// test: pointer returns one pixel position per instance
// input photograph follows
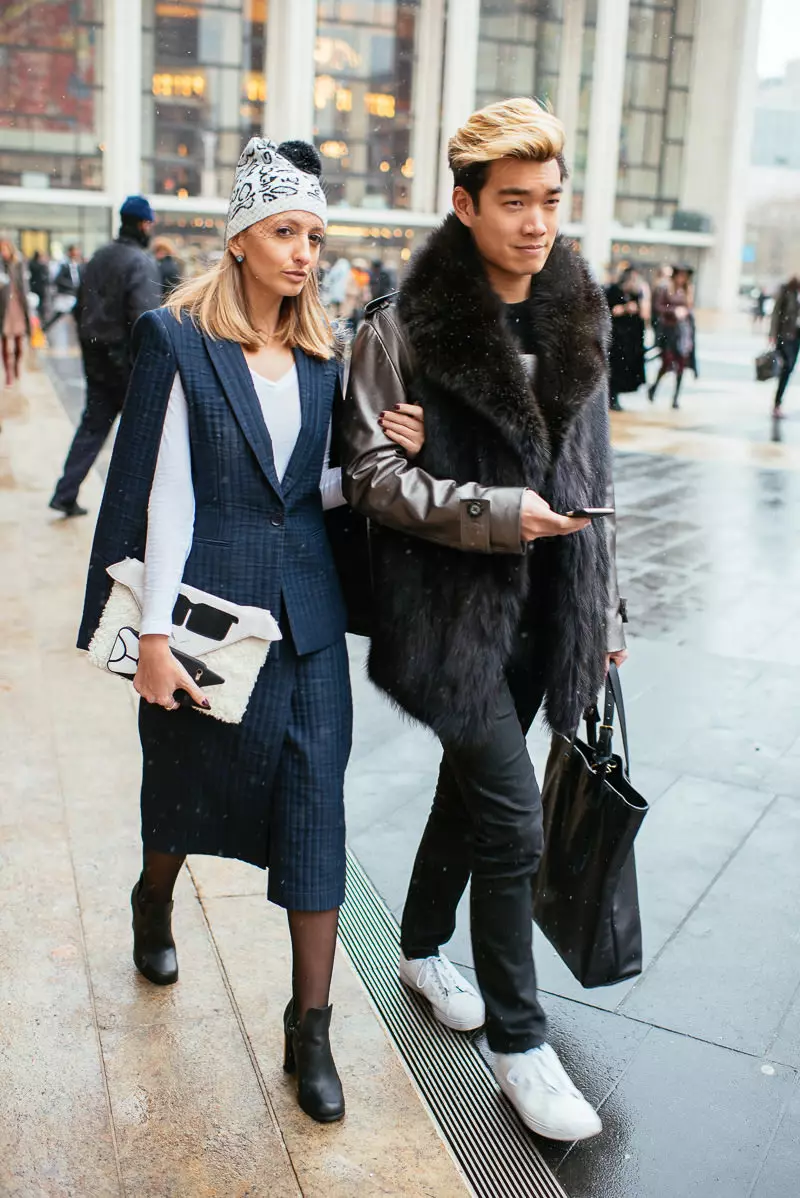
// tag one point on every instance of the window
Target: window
(203, 92)
(655, 110)
(51, 97)
(365, 56)
(518, 50)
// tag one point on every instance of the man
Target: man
(119, 283)
(488, 599)
(785, 336)
(169, 268)
(66, 285)
(380, 280)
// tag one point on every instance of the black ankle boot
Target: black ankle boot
(153, 946)
(308, 1053)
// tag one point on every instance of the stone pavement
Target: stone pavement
(111, 1086)
(695, 1066)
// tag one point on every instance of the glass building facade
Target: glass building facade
(363, 100)
(655, 111)
(204, 89)
(51, 94)
(519, 50)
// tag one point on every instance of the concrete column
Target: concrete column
(605, 117)
(427, 94)
(569, 86)
(719, 137)
(460, 80)
(291, 40)
(123, 84)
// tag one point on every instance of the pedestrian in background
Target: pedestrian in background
(218, 479)
(39, 273)
(785, 335)
(66, 285)
(119, 283)
(381, 281)
(629, 311)
(673, 302)
(170, 271)
(15, 320)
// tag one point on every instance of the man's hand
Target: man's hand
(537, 519)
(619, 658)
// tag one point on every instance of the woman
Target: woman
(629, 311)
(15, 321)
(218, 479)
(673, 302)
(785, 335)
(169, 268)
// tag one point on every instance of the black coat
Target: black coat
(446, 622)
(627, 344)
(119, 283)
(170, 274)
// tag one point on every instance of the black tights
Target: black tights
(313, 932)
(678, 382)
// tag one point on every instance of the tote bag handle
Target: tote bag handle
(613, 699)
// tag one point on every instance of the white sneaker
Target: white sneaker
(455, 1002)
(545, 1099)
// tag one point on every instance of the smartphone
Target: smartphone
(201, 674)
(590, 513)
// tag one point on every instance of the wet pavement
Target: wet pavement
(696, 1065)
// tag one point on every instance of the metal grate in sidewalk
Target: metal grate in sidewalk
(497, 1155)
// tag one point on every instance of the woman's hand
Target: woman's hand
(160, 674)
(405, 425)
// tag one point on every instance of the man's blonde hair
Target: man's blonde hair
(518, 128)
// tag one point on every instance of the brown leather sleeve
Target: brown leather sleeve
(380, 482)
(616, 615)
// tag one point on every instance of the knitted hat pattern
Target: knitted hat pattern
(271, 179)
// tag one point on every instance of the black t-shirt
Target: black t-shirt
(520, 324)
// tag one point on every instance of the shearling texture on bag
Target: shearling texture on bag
(446, 622)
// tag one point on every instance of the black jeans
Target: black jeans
(486, 821)
(107, 369)
(787, 349)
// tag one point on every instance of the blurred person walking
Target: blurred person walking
(673, 302)
(170, 271)
(15, 320)
(785, 335)
(218, 480)
(39, 272)
(66, 285)
(119, 283)
(381, 281)
(489, 601)
(629, 312)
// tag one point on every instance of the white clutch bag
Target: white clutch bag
(231, 641)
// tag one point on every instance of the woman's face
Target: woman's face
(280, 252)
(5, 251)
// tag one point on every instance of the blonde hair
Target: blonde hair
(518, 128)
(217, 304)
(14, 255)
(165, 244)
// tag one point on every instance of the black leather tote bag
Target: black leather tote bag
(585, 894)
(768, 366)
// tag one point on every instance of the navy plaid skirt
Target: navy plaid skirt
(269, 790)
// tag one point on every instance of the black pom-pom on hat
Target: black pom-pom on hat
(302, 155)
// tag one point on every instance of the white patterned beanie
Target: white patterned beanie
(272, 179)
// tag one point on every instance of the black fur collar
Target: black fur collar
(454, 323)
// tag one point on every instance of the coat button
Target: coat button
(475, 510)
(277, 521)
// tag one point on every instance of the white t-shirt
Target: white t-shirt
(171, 508)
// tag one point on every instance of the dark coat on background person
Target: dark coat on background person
(40, 278)
(627, 344)
(170, 274)
(786, 314)
(257, 541)
(65, 282)
(119, 283)
(447, 619)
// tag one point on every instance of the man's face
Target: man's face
(517, 218)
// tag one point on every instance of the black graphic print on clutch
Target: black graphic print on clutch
(268, 176)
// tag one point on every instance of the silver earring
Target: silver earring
(240, 257)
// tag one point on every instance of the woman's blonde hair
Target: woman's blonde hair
(518, 128)
(217, 304)
(14, 255)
